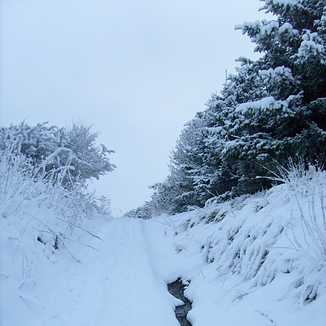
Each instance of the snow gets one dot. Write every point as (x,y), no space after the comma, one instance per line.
(265,103)
(288,28)
(269,27)
(264,26)
(269,103)
(233,281)
(285,2)
(311,45)
(254,260)
(114,284)
(247,25)
(278,74)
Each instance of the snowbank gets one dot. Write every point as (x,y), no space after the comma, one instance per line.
(255,260)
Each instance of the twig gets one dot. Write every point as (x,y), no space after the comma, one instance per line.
(83,244)
(62,236)
(266,316)
(93,235)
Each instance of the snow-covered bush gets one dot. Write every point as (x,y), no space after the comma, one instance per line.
(18,187)
(43,226)
(51,150)
(31,182)
(275,236)
(309,240)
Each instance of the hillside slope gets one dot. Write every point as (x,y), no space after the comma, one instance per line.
(254,260)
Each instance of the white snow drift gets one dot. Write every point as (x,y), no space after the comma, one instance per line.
(255,260)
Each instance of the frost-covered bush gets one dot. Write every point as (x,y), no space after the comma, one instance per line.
(273,237)
(43,226)
(48,168)
(19,187)
(39,213)
(308,189)
(68,156)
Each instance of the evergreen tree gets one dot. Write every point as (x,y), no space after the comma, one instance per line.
(271,110)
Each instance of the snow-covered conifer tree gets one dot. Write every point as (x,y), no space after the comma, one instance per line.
(272,110)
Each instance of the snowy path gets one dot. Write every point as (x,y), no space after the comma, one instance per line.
(240,258)
(114,286)
(241,266)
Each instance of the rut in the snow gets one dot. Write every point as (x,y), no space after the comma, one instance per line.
(177,289)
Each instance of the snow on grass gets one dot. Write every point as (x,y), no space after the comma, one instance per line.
(64,264)
(106,280)
(254,260)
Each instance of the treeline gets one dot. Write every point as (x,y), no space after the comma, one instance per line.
(270,113)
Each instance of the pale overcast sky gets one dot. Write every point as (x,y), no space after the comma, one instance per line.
(136,71)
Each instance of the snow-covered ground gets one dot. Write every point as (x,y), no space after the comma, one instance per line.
(112,284)
(255,260)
